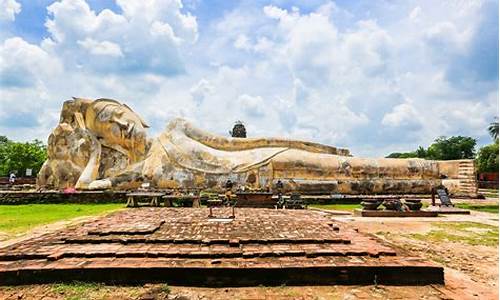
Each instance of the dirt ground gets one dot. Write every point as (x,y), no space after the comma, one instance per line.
(467,246)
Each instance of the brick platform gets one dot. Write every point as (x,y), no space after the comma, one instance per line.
(183,246)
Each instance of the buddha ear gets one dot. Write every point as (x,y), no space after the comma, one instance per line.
(79,120)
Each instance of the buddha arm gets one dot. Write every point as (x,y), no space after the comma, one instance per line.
(238,144)
(91,170)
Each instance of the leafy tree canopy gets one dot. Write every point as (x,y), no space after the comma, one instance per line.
(487,158)
(455,147)
(493,130)
(18,156)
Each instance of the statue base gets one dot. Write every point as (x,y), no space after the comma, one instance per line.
(395,213)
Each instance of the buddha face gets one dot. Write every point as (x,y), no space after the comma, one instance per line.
(117,125)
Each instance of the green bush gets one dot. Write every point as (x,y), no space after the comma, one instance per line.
(487,158)
(18,156)
(455,147)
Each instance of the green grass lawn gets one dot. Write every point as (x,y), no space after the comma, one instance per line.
(16,219)
(491,208)
(346,207)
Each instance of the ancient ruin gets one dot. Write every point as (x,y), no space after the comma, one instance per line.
(183,246)
(102,144)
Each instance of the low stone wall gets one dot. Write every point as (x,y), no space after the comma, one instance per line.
(46,197)
(54,197)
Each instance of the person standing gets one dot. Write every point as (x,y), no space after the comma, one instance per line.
(229,189)
(12,178)
(279,190)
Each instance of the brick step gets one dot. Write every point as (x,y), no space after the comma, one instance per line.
(249,272)
(219,253)
(195,242)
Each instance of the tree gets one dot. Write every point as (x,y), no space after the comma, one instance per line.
(17,156)
(394,155)
(402,155)
(493,130)
(455,147)
(487,158)
(421,152)
(239,130)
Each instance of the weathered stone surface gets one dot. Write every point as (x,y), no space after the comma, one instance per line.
(102,144)
(181,245)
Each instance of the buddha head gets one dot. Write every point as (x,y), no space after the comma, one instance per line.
(119,127)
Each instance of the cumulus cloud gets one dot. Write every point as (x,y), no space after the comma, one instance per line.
(331,73)
(242,42)
(253,107)
(202,89)
(101,48)
(403,115)
(23,64)
(78,33)
(9,9)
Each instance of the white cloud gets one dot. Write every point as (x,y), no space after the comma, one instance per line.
(23,64)
(329,73)
(402,115)
(242,42)
(201,90)
(415,13)
(9,9)
(275,12)
(160,26)
(101,48)
(445,36)
(253,107)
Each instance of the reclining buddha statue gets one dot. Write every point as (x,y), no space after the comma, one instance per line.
(103,144)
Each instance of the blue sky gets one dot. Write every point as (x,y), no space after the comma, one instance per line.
(373,76)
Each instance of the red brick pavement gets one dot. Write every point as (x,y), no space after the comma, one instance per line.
(183,245)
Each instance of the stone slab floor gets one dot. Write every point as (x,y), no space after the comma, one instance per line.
(471,269)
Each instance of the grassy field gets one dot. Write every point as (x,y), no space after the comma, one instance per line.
(461,232)
(491,208)
(16,219)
